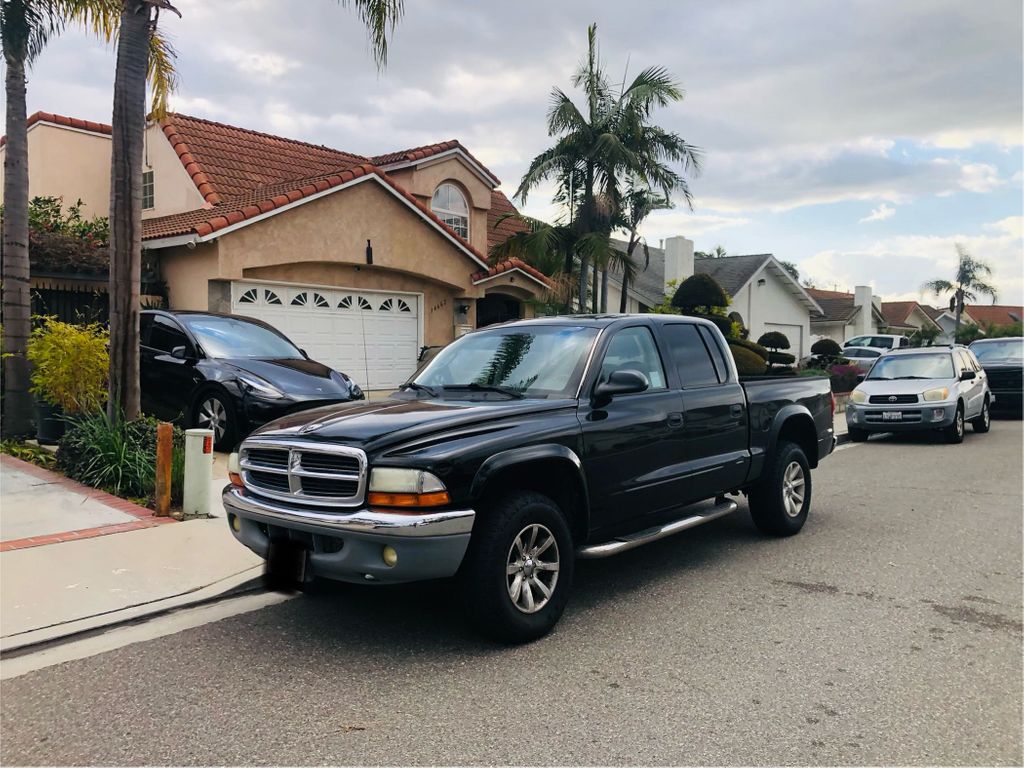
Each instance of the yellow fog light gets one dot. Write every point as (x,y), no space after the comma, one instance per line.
(236,524)
(390,556)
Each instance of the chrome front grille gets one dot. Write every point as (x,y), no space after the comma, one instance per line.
(304,472)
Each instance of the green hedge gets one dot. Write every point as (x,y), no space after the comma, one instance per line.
(750,346)
(748,363)
(774,340)
(826,348)
(781,358)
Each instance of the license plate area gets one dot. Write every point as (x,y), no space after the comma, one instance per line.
(287,564)
(892,415)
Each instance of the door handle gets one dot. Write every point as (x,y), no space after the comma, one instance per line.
(736,410)
(675,419)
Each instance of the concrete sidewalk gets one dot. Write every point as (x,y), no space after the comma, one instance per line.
(112,560)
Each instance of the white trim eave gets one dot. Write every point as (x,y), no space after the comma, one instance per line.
(163,242)
(170,242)
(71,128)
(801,293)
(474,166)
(509,272)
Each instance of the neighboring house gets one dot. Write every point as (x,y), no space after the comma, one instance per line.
(845,315)
(982,315)
(763,295)
(361,260)
(907,317)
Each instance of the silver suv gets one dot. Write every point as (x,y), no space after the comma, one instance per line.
(921,389)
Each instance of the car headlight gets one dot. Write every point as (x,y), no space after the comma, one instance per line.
(858,397)
(396,487)
(932,395)
(257,386)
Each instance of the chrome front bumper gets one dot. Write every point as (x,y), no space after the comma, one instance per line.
(347,545)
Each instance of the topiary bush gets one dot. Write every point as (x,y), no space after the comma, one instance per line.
(723,323)
(781,358)
(69,365)
(826,348)
(699,293)
(748,363)
(757,349)
(774,340)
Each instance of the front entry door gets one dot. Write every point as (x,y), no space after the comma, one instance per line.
(497,308)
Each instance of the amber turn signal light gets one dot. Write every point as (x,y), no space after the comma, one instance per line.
(434,499)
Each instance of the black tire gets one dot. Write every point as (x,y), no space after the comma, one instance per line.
(857,435)
(954,433)
(772,503)
(211,404)
(983,423)
(485,578)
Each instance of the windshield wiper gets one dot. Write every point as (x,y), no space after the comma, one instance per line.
(419,388)
(900,378)
(474,387)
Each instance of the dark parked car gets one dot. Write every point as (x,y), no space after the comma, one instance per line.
(1003,361)
(522,447)
(229,373)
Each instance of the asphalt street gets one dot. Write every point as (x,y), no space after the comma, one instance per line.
(887,632)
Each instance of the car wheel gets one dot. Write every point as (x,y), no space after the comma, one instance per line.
(857,435)
(519,568)
(984,420)
(213,411)
(780,501)
(954,433)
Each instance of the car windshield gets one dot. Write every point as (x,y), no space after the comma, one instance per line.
(528,361)
(231,337)
(926,366)
(997,351)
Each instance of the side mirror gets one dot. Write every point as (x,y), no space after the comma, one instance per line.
(968,375)
(624,382)
(179,353)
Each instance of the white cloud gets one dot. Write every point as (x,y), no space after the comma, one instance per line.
(881,213)
(264,65)
(980,177)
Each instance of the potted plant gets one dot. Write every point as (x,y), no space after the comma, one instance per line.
(69,373)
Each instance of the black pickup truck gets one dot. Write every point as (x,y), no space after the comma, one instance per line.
(522,447)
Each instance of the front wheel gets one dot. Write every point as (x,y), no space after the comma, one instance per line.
(954,433)
(519,568)
(984,420)
(781,499)
(213,411)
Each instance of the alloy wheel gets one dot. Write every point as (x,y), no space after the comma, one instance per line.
(532,568)
(793,490)
(959,423)
(213,415)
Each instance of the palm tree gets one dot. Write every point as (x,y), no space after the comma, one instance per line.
(612,136)
(638,204)
(718,253)
(135,58)
(965,286)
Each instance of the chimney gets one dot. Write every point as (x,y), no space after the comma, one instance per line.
(862,298)
(678,258)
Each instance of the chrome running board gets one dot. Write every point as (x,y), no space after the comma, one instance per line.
(633,540)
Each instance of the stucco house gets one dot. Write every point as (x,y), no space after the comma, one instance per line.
(907,317)
(763,295)
(845,315)
(982,315)
(361,260)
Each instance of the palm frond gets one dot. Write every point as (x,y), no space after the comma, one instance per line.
(25,28)
(938,286)
(161,74)
(380,17)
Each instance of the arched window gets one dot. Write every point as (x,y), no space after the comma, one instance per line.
(449,205)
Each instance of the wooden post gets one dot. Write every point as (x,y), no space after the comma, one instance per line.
(164,450)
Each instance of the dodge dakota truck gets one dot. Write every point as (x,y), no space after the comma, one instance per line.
(522,447)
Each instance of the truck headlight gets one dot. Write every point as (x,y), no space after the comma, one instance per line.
(396,487)
(933,395)
(858,397)
(234,470)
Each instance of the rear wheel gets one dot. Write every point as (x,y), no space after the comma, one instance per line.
(519,568)
(780,501)
(984,420)
(954,433)
(857,435)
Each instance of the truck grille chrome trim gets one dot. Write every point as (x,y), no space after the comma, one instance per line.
(304,472)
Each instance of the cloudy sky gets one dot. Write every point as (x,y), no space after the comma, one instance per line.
(858,139)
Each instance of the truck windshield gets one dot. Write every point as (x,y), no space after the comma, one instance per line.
(528,361)
(999,351)
(926,366)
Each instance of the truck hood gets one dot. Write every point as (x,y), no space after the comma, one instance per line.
(386,422)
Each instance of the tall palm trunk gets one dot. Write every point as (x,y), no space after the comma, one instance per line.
(958,297)
(17,412)
(594,289)
(604,289)
(581,304)
(129,123)
(624,298)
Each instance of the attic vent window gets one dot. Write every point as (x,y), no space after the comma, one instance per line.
(449,205)
(148,198)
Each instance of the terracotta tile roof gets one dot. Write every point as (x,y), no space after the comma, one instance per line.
(897,312)
(68,122)
(836,306)
(225,161)
(509,265)
(995,314)
(421,153)
(500,231)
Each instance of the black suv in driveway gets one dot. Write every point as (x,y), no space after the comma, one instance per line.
(522,447)
(228,373)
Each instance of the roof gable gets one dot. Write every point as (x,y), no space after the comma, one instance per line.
(503,220)
(731,272)
(431,152)
(64,122)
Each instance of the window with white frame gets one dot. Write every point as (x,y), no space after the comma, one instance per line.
(449,205)
(147,190)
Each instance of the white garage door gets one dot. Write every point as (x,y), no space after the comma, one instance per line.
(372,337)
(795,334)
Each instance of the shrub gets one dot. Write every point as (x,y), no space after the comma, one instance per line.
(699,292)
(723,323)
(757,349)
(826,348)
(69,365)
(814,372)
(120,457)
(33,454)
(781,358)
(844,378)
(748,363)
(774,340)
